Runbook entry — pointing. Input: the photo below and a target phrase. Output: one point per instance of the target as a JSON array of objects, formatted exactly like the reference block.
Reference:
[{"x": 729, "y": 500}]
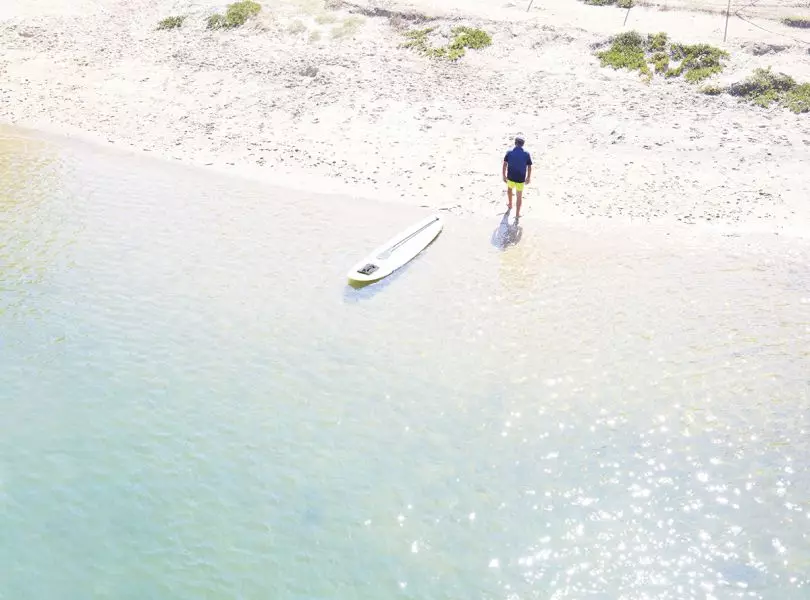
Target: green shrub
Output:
[
  {"x": 467, "y": 37},
  {"x": 661, "y": 62},
  {"x": 236, "y": 15},
  {"x": 171, "y": 22},
  {"x": 216, "y": 21},
  {"x": 798, "y": 99},
  {"x": 761, "y": 82},
  {"x": 629, "y": 39},
  {"x": 701, "y": 73},
  {"x": 699, "y": 61},
  {"x": 626, "y": 52},
  {"x": 239, "y": 12},
  {"x": 801, "y": 22},
  {"x": 463, "y": 38},
  {"x": 417, "y": 39},
  {"x": 347, "y": 28},
  {"x": 619, "y": 3},
  {"x": 630, "y": 50},
  {"x": 657, "y": 42},
  {"x": 765, "y": 88},
  {"x": 712, "y": 90}
]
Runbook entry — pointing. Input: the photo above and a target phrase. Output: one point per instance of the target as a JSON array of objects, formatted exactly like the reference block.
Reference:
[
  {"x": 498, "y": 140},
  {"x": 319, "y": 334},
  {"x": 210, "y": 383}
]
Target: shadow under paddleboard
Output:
[
  {"x": 397, "y": 251},
  {"x": 356, "y": 291}
]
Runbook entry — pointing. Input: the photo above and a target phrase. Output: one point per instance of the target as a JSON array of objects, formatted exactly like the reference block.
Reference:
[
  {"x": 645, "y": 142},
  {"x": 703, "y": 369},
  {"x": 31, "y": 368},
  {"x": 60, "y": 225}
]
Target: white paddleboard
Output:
[{"x": 397, "y": 251}]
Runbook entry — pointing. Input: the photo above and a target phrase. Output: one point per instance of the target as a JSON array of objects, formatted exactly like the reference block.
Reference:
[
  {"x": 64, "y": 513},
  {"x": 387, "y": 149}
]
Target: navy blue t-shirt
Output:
[{"x": 517, "y": 160}]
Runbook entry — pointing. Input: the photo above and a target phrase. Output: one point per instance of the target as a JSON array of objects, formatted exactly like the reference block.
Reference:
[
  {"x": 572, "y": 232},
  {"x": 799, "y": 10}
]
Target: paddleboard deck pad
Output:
[{"x": 397, "y": 251}]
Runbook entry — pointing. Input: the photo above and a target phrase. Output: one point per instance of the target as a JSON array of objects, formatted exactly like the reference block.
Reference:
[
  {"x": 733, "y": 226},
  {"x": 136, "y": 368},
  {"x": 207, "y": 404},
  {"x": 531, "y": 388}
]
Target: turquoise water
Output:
[{"x": 195, "y": 404}]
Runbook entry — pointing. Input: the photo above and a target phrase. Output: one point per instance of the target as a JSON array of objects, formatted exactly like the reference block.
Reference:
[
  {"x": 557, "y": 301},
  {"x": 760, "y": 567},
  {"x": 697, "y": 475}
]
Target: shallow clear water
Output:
[{"x": 195, "y": 404}]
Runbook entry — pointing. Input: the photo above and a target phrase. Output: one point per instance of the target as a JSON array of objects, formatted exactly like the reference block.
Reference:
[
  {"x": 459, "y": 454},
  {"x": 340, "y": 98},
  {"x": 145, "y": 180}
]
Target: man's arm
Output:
[
  {"x": 505, "y": 164},
  {"x": 528, "y": 175}
]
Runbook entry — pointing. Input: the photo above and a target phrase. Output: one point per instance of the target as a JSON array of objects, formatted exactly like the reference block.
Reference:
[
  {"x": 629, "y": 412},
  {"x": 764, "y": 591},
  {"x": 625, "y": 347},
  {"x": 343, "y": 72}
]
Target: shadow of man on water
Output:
[{"x": 506, "y": 235}]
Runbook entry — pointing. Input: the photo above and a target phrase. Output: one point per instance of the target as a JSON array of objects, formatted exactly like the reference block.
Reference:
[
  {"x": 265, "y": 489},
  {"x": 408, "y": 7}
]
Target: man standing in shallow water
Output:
[{"x": 517, "y": 172}]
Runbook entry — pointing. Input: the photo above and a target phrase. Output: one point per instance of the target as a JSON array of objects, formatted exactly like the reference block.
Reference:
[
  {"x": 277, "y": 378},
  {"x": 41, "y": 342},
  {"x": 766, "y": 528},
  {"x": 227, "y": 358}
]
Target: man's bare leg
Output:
[
  {"x": 519, "y": 198},
  {"x": 509, "y": 197}
]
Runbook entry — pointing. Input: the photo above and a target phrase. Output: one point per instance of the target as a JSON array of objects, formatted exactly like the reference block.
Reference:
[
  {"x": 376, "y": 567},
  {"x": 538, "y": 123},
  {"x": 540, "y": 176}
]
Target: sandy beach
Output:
[{"x": 324, "y": 97}]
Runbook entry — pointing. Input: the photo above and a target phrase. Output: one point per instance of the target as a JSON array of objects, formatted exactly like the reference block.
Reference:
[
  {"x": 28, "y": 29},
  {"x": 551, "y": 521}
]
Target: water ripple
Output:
[{"x": 200, "y": 407}]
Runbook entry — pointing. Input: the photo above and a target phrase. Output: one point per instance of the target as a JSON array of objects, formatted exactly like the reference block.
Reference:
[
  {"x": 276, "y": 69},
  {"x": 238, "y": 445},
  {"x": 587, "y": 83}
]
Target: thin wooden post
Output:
[
  {"x": 728, "y": 13},
  {"x": 530, "y": 5},
  {"x": 627, "y": 15}
]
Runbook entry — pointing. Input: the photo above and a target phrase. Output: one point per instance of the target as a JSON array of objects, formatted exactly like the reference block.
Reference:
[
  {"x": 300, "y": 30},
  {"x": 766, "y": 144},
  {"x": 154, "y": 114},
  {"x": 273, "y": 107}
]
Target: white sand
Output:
[{"x": 352, "y": 112}]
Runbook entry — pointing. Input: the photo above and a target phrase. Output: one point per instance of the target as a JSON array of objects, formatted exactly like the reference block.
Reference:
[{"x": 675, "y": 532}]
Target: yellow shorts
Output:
[{"x": 514, "y": 185}]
